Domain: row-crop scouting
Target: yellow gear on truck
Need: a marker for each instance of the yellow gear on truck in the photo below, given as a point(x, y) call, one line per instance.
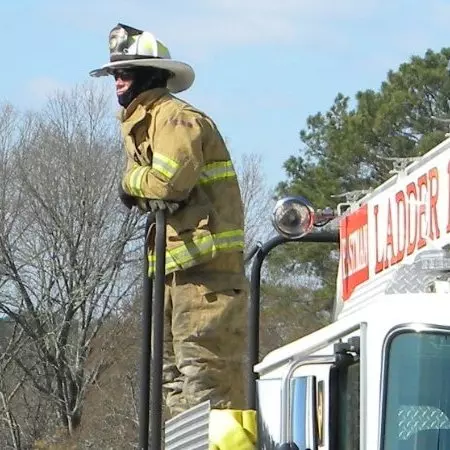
point(232, 429)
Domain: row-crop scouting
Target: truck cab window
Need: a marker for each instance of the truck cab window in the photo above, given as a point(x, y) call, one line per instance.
point(417, 392)
point(344, 406)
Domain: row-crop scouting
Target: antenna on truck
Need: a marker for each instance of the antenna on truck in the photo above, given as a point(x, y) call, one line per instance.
point(351, 197)
point(399, 164)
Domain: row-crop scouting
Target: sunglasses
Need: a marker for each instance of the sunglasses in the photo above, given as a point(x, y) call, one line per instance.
point(123, 74)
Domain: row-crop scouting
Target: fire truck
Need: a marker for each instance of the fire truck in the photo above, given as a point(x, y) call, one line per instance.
point(378, 376)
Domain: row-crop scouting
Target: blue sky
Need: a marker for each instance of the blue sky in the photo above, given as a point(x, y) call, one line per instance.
point(262, 66)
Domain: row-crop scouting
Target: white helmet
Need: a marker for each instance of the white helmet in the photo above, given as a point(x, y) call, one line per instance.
point(130, 47)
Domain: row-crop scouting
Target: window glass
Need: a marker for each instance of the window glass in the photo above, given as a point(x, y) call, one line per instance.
point(299, 411)
point(269, 413)
point(417, 392)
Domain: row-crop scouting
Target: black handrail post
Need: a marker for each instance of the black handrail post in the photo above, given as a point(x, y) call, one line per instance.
point(254, 309)
point(144, 403)
point(254, 315)
point(158, 331)
point(253, 326)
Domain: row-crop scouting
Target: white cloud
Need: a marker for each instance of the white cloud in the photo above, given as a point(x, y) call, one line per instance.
point(205, 29)
point(204, 25)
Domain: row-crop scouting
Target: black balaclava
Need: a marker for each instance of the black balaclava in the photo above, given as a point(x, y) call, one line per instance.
point(144, 78)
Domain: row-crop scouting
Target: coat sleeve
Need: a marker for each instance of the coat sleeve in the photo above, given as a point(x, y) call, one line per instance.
point(177, 161)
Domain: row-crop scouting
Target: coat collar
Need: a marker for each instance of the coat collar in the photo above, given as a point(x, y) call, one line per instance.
point(139, 107)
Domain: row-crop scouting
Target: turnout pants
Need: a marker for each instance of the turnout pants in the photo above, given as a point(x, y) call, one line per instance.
point(205, 336)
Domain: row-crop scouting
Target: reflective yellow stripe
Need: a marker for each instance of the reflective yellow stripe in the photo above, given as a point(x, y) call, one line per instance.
point(168, 167)
point(188, 254)
point(217, 171)
point(232, 429)
point(135, 180)
point(171, 265)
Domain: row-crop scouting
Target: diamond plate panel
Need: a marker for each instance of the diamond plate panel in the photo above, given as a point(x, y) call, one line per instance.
point(414, 418)
point(429, 265)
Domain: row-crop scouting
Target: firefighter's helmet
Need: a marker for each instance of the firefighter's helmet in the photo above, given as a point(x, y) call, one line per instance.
point(132, 48)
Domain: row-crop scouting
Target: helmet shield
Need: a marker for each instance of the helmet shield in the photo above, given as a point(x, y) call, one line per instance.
point(121, 38)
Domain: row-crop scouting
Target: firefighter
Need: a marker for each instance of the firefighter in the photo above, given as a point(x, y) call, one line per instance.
point(178, 161)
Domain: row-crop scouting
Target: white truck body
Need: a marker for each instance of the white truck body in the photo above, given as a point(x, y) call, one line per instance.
point(393, 294)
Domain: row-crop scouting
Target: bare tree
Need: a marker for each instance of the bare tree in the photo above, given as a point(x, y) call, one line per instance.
point(19, 407)
point(10, 339)
point(257, 198)
point(113, 401)
point(67, 249)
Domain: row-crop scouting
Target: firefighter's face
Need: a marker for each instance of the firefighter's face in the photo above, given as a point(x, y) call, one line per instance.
point(123, 79)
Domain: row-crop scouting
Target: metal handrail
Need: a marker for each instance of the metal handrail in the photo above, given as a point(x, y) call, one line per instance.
point(255, 298)
point(152, 349)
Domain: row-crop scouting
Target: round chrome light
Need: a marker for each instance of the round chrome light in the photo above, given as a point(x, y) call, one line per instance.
point(293, 217)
